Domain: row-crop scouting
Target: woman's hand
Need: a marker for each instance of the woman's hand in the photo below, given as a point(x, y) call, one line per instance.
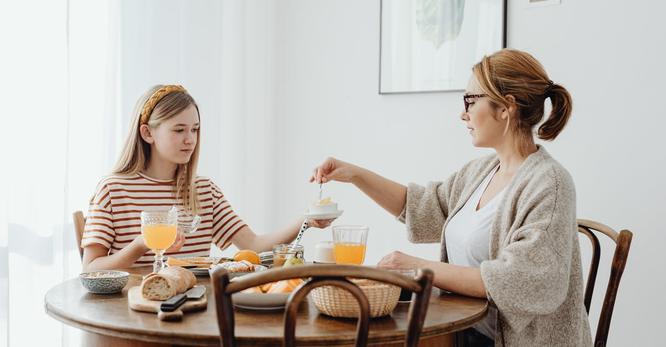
point(178, 244)
point(334, 170)
point(399, 260)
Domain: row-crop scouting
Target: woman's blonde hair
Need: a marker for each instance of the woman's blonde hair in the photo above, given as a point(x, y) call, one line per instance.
point(517, 73)
point(158, 104)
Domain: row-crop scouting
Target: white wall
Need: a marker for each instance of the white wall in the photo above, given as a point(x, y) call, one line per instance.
point(607, 53)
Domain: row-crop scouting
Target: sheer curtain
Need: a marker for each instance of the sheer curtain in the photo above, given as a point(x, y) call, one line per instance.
point(72, 70)
point(59, 118)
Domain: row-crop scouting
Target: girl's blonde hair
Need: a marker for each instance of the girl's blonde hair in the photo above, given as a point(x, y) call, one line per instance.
point(517, 73)
point(158, 104)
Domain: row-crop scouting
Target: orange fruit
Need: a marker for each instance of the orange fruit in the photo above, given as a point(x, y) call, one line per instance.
point(249, 255)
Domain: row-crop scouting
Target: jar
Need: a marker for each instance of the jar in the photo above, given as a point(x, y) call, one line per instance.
point(282, 252)
point(324, 253)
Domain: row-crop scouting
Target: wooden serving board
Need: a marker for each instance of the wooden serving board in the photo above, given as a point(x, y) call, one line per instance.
point(138, 303)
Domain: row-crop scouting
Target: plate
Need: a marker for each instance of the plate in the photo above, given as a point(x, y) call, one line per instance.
point(252, 308)
point(263, 302)
point(204, 272)
point(322, 216)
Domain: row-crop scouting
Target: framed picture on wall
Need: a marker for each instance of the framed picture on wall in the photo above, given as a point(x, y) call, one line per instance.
point(431, 45)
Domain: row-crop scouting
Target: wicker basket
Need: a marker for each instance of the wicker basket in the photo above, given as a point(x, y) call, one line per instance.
point(337, 302)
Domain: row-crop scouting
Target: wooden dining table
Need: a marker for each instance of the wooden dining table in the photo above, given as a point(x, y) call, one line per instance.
point(107, 320)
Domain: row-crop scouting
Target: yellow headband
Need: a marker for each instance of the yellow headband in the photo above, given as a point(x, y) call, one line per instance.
point(156, 97)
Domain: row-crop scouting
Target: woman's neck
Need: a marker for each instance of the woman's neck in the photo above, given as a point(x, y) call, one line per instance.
point(160, 169)
point(511, 157)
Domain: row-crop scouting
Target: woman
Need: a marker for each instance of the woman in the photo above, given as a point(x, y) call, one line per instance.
point(157, 170)
point(506, 222)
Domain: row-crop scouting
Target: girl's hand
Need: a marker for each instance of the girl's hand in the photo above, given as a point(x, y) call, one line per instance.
point(334, 170)
point(320, 223)
point(399, 260)
point(178, 244)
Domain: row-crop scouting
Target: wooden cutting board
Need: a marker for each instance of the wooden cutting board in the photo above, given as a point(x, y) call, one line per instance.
point(138, 303)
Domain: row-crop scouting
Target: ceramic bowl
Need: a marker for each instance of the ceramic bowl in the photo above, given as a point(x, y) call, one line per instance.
point(104, 282)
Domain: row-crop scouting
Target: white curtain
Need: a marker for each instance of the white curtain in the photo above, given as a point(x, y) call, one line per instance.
point(71, 72)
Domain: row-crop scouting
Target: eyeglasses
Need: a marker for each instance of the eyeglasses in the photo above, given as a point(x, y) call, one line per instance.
point(469, 99)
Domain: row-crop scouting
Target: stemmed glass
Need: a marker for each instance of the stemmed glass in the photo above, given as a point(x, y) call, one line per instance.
point(159, 230)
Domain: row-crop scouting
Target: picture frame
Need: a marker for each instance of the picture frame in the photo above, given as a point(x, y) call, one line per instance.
point(542, 3)
point(431, 45)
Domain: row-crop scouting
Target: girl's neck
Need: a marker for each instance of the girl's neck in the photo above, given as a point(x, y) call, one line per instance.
point(160, 169)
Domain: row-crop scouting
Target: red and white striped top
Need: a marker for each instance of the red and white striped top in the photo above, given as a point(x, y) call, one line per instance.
point(114, 217)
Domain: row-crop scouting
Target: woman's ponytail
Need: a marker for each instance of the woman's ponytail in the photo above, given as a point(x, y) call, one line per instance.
point(559, 115)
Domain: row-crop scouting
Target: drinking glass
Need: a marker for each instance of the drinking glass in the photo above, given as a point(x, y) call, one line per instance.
point(349, 243)
point(187, 222)
point(159, 229)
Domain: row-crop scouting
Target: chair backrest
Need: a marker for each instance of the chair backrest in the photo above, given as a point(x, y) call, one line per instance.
point(322, 275)
point(622, 244)
point(79, 225)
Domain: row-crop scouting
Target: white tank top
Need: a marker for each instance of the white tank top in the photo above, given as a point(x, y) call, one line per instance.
point(468, 232)
point(468, 239)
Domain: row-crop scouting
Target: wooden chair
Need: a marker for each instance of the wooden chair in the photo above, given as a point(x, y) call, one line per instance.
point(622, 243)
point(79, 225)
point(322, 275)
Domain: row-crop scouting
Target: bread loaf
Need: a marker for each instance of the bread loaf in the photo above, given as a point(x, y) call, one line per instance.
point(167, 283)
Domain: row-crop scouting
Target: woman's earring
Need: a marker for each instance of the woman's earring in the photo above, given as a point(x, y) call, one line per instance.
point(506, 128)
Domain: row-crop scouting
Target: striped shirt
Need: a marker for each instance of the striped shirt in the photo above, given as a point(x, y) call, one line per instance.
point(114, 216)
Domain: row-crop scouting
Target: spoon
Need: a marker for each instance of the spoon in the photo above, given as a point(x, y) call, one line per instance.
point(297, 240)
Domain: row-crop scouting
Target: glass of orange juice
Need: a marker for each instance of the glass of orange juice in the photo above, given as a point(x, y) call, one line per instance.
point(349, 243)
point(159, 229)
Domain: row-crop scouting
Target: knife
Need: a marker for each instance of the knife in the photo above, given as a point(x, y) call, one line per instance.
point(169, 308)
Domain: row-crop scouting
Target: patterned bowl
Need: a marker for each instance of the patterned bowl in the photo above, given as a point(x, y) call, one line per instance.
point(104, 282)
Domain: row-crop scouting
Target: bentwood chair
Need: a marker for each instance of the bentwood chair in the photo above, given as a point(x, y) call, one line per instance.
point(622, 243)
point(79, 225)
point(322, 275)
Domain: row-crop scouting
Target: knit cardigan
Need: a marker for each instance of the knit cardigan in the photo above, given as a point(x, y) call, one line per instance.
point(533, 276)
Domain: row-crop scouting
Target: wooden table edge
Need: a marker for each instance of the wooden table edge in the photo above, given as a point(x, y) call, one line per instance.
point(138, 334)
point(162, 337)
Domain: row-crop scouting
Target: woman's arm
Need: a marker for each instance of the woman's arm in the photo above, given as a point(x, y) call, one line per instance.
point(454, 278)
point(386, 193)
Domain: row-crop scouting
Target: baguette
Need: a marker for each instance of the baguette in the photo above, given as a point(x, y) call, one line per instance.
point(167, 283)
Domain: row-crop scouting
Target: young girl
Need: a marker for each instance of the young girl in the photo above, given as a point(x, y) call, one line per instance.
point(157, 170)
point(506, 222)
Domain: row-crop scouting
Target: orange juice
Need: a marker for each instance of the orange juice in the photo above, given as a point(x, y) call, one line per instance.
point(159, 236)
point(349, 253)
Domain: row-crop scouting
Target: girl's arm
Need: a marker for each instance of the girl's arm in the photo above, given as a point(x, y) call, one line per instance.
point(245, 238)
point(96, 257)
point(386, 193)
